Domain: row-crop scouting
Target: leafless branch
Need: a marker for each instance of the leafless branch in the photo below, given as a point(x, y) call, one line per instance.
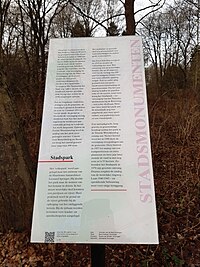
point(151, 6)
point(122, 2)
point(152, 11)
point(87, 16)
point(193, 3)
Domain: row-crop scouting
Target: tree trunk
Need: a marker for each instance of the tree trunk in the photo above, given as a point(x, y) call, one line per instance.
point(16, 181)
point(129, 15)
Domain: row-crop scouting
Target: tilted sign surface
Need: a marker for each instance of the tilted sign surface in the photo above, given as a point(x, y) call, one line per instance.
point(94, 178)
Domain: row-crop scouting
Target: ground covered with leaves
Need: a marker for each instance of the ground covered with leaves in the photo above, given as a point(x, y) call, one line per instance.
point(175, 138)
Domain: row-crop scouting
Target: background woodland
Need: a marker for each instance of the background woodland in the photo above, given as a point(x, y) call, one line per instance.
point(171, 40)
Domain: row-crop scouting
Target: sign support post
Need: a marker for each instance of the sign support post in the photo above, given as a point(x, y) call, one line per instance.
point(97, 255)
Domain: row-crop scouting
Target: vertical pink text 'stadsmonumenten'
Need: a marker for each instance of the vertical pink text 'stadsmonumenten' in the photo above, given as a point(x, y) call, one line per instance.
point(141, 126)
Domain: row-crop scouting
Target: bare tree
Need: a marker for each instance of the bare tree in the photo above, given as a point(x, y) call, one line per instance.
point(195, 5)
point(130, 13)
point(89, 14)
point(63, 22)
point(37, 18)
point(169, 39)
point(16, 183)
point(4, 6)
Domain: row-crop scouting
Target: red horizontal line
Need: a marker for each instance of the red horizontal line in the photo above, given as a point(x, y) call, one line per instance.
point(47, 161)
point(109, 190)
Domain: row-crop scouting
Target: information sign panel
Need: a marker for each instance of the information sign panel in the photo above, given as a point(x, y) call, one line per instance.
point(94, 177)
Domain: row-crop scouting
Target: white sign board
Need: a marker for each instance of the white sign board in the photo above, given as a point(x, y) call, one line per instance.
point(95, 178)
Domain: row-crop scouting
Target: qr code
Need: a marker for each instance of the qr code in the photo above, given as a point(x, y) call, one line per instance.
point(49, 237)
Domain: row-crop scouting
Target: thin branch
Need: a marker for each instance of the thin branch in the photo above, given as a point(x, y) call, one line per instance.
point(151, 6)
point(122, 2)
point(152, 11)
point(87, 16)
point(107, 19)
point(192, 2)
